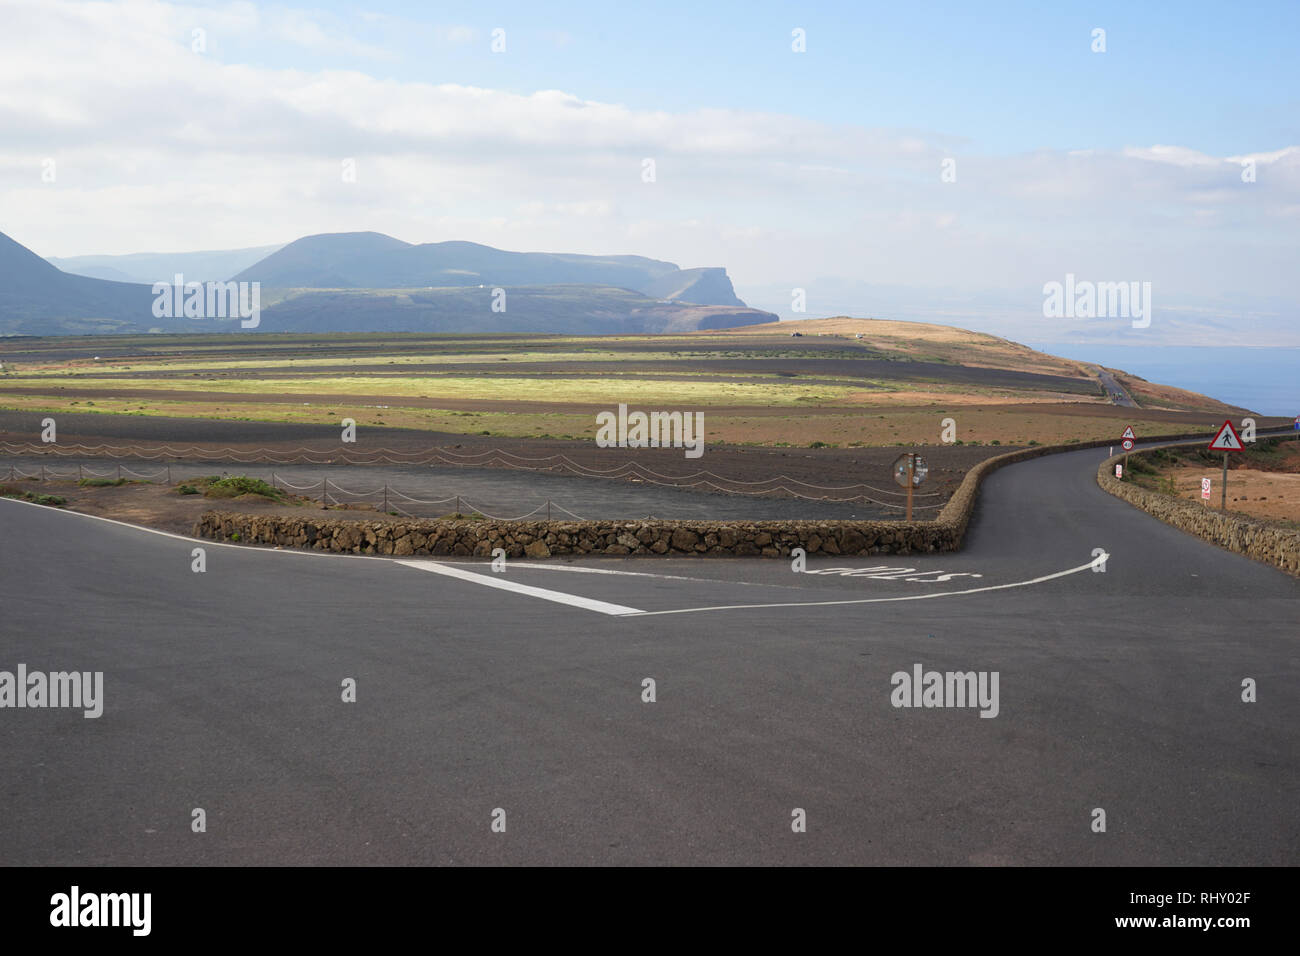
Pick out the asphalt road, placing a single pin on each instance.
(1114, 390)
(1119, 690)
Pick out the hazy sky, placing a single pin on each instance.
(787, 168)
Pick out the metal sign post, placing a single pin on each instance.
(910, 470)
(911, 473)
(1225, 441)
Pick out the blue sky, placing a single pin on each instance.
(1171, 158)
(1004, 76)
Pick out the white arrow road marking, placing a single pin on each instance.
(559, 597)
(1100, 559)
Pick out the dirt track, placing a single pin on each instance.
(514, 406)
(823, 371)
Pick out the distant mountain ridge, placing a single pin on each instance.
(372, 260)
(151, 267)
(38, 299)
(309, 286)
(572, 309)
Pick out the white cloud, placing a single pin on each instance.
(1289, 153)
(305, 30)
(1174, 155)
(158, 147)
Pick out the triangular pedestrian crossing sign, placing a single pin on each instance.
(1128, 433)
(1227, 439)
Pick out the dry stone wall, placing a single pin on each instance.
(1263, 540)
(541, 539)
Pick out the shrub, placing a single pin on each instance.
(9, 491)
(101, 482)
(237, 485)
(187, 490)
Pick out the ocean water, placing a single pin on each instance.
(1264, 380)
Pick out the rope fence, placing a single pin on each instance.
(633, 471)
(16, 473)
(383, 498)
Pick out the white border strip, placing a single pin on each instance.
(206, 542)
(559, 597)
(576, 569)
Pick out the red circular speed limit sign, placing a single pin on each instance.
(1127, 444)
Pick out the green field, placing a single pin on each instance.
(857, 382)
